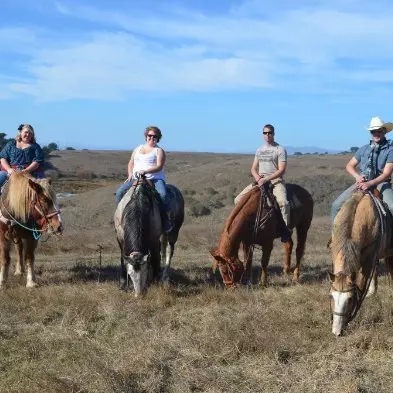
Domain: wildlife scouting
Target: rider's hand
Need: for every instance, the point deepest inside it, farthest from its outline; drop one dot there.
(10, 171)
(261, 181)
(141, 173)
(360, 179)
(365, 185)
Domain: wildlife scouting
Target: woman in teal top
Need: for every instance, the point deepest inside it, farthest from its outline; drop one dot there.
(23, 154)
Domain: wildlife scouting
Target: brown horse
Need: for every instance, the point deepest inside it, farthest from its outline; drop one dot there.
(362, 234)
(27, 209)
(240, 230)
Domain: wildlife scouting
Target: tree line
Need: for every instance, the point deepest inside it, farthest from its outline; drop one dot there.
(47, 149)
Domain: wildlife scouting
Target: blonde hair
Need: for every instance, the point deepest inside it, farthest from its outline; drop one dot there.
(26, 127)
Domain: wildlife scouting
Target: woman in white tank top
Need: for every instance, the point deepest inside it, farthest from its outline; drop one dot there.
(148, 160)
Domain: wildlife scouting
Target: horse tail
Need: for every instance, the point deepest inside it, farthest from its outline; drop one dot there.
(342, 234)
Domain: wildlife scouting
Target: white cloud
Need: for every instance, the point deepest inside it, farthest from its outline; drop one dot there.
(252, 46)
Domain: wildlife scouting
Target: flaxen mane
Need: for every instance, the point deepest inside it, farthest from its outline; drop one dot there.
(342, 234)
(19, 194)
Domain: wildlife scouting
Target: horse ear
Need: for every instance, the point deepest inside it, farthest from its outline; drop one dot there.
(35, 186)
(214, 252)
(331, 276)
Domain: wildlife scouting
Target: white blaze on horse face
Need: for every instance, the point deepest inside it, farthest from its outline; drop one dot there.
(138, 276)
(340, 300)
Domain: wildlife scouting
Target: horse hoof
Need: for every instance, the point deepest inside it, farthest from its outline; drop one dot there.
(31, 285)
(18, 273)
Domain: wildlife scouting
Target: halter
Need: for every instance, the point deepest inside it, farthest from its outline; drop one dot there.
(359, 294)
(44, 217)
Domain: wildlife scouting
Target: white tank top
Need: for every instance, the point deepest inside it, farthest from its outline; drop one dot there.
(143, 161)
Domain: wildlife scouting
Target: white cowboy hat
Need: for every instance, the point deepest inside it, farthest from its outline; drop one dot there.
(377, 123)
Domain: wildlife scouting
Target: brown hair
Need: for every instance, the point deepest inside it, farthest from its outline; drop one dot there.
(27, 127)
(156, 130)
(269, 127)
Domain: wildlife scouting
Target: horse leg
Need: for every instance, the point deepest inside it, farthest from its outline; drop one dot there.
(30, 246)
(155, 262)
(300, 248)
(4, 259)
(123, 274)
(167, 250)
(19, 266)
(372, 289)
(389, 266)
(288, 246)
(266, 251)
(247, 255)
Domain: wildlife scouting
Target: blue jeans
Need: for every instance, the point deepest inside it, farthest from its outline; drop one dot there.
(158, 184)
(384, 188)
(3, 177)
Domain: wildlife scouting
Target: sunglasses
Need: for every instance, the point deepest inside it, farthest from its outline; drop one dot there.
(380, 131)
(267, 133)
(152, 136)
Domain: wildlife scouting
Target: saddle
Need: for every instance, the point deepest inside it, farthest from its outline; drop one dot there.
(269, 205)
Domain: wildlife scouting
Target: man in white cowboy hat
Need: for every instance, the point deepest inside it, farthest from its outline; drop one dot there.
(375, 161)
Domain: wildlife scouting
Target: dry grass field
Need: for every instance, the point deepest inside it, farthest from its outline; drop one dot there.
(77, 332)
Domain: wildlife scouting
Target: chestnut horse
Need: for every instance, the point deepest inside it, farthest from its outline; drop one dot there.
(362, 234)
(27, 209)
(240, 230)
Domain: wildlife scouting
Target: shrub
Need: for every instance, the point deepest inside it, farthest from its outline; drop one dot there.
(198, 209)
(52, 173)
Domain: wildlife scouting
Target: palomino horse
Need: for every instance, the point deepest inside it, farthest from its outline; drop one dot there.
(27, 209)
(240, 229)
(139, 234)
(362, 234)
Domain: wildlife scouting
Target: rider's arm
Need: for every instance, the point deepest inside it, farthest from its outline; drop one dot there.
(5, 165)
(282, 166)
(386, 174)
(254, 170)
(160, 162)
(130, 165)
(351, 168)
(32, 167)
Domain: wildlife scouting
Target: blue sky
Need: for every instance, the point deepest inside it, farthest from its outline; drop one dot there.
(210, 74)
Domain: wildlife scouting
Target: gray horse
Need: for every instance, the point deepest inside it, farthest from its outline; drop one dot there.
(140, 236)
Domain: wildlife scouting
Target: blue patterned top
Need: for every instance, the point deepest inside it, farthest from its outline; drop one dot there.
(22, 157)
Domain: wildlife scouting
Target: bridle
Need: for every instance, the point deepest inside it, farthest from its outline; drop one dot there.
(44, 217)
(43, 220)
(358, 296)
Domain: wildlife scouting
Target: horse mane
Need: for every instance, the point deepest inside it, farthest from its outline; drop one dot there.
(342, 234)
(231, 235)
(239, 207)
(136, 220)
(19, 194)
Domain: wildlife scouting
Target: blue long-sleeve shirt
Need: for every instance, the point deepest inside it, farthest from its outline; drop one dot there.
(22, 157)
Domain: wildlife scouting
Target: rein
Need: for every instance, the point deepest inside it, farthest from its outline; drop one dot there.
(360, 294)
(36, 232)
